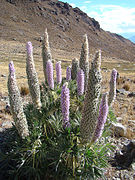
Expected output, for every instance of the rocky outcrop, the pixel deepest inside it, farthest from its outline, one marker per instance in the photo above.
(125, 157)
(118, 130)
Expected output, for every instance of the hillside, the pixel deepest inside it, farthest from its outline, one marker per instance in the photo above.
(25, 20)
(132, 38)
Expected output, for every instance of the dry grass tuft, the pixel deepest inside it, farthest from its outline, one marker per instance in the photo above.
(120, 80)
(24, 91)
(126, 87)
(130, 134)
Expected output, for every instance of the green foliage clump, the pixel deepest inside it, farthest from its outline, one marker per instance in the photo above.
(50, 151)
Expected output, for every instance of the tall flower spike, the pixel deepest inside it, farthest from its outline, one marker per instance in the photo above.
(68, 73)
(103, 111)
(46, 52)
(74, 69)
(80, 82)
(58, 72)
(16, 104)
(112, 92)
(32, 76)
(84, 59)
(49, 72)
(65, 104)
(89, 115)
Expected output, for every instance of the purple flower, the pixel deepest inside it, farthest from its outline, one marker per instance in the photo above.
(65, 103)
(80, 82)
(68, 73)
(58, 72)
(114, 74)
(11, 68)
(49, 72)
(103, 111)
(29, 48)
(112, 92)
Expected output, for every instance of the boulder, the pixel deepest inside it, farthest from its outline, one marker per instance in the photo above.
(3, 75)
(132, 94)
(126, 157)
(119, 130)
(119, 119)
(122, 91)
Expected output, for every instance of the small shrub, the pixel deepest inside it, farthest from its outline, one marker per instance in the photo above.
(120, 80)
(126, 87)
(24, 91)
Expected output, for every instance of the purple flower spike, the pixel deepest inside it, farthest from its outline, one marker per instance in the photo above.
(80, 82)
(112, 93)
(58, 72)
(49, 72)
(103, 111)
(68, 73)
(114, 74)
(29, 48)
(11, 68)
(65, 103)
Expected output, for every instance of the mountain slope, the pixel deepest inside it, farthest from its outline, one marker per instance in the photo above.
(25, 20)
(132, 38)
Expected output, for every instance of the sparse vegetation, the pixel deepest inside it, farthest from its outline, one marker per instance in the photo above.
(120, 80)
(126, 87)
(24, 91)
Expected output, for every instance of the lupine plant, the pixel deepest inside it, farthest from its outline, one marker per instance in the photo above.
(58, 72)
(16, 104)
(65, 103)
(32, 77)
(103, 112)
(80, 82)
(89, 114)
(84, 59)
(68, 73)
(49, 73)
(74, 69)
(63, 137)
(46, 52)
(112, 92)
